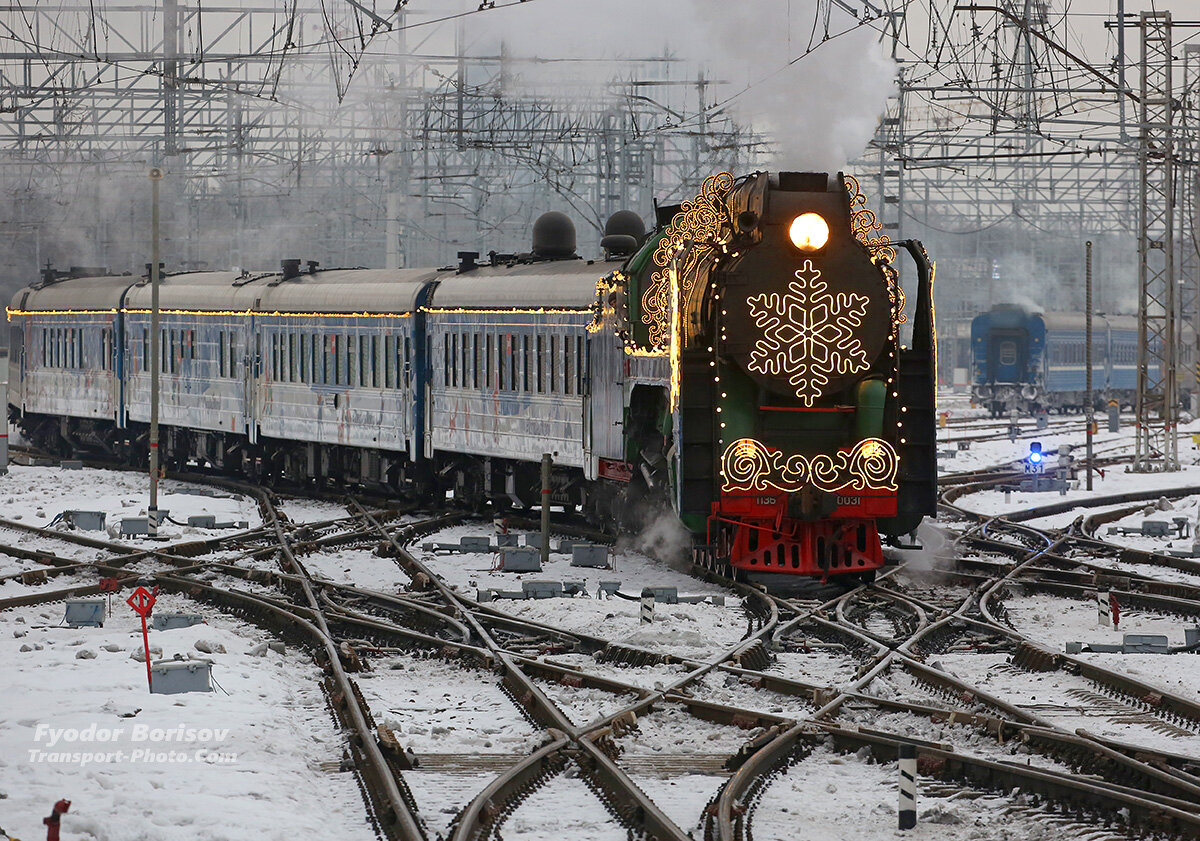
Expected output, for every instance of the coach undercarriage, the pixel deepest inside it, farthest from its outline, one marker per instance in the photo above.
(475, 483)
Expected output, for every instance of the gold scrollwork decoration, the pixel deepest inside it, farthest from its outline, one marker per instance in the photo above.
(749, 465)
(700, 226)
(863, 224)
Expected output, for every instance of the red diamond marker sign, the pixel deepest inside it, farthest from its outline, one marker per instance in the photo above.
(142, 602)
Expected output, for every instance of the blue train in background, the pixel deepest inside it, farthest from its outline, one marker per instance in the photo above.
(1034, 361)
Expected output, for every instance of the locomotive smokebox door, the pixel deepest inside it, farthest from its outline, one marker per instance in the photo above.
(806, 314)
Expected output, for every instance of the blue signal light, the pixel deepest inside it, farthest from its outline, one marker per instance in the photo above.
(1035, 457)
(1035, 452)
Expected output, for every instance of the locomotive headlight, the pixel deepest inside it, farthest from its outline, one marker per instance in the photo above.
(809, 232)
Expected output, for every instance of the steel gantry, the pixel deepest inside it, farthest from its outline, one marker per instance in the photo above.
(358, 134)
(1157, 446)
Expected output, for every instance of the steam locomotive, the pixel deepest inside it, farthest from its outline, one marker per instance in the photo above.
(740, 367)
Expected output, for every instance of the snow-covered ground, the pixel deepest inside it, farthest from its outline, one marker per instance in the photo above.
(697, 631)
(1069, 702)
(438, 707)
(1053, 621)
(285, 780)
(834, 797)
(258, 758)
(359, 567)
(37, 495)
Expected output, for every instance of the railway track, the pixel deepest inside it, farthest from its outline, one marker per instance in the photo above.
(806, 682)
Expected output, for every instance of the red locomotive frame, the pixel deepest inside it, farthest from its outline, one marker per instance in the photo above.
(755, 532)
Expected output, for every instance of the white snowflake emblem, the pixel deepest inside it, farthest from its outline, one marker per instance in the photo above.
(808, 333)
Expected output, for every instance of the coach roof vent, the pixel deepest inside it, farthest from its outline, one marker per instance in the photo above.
(291, 268)
(553, 236)
(623, 233)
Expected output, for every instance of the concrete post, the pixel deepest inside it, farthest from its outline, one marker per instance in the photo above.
(908, 786)
(647, 606)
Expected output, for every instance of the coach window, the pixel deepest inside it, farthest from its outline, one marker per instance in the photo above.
(460, 359)
(540, 362)
(285, 358)
(455, 358)
(504, 350)
(526, 361)
(339, 360)
(352, 366)
(579, 364)
(362, 365)
(553, 376)
(571, 365)
(389, 361)
(376, 366)
(477, 350)
(406, 363)
(456, 362)
(464, 364)
(488, 364)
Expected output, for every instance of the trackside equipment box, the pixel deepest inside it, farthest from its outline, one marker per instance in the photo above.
(174, 676)
(85, 613)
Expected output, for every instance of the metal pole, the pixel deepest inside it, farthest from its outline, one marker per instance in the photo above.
(546, 465)
(156, 175)
(1091, 398)
(4, 429)
(1121, 64)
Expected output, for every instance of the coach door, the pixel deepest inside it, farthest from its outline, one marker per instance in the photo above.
(1008, 355)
